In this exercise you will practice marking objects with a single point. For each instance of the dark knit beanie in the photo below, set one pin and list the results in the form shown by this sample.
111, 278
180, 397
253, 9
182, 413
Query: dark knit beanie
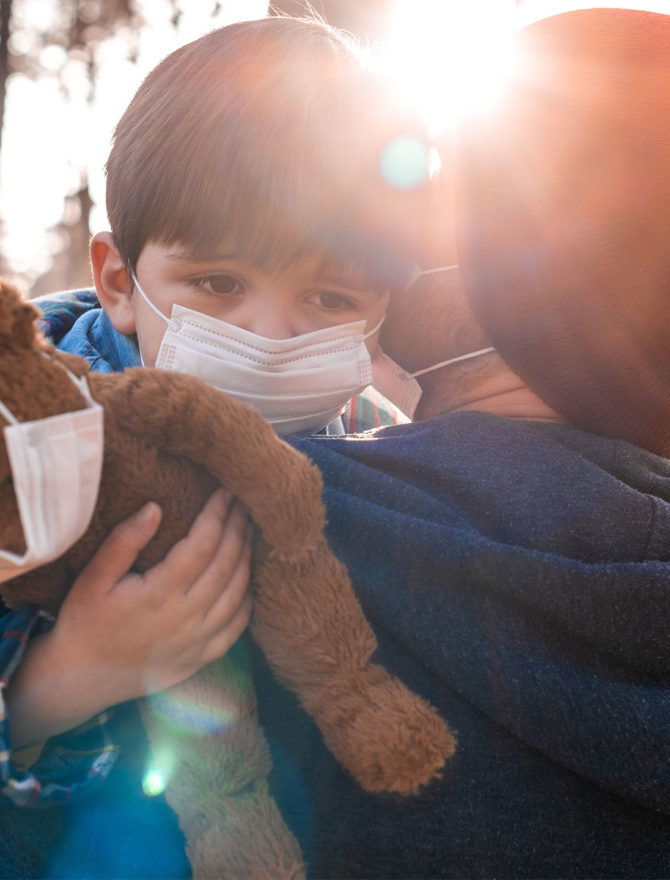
563, 218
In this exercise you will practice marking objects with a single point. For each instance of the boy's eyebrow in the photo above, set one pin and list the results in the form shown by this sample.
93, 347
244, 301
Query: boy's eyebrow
193, 254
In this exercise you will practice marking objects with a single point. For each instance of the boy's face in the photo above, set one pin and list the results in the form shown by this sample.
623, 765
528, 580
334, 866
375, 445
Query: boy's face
278, 305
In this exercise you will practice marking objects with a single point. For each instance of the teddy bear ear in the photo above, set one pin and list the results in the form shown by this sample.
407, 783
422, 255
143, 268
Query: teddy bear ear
17, 318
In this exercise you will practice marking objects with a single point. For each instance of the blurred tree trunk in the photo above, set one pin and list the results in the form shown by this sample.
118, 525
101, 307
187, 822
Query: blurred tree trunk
83, 28
5, 22
366, 19
70, 267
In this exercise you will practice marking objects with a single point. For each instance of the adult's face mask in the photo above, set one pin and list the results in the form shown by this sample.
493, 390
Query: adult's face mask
298, 384
56, 465
401, 387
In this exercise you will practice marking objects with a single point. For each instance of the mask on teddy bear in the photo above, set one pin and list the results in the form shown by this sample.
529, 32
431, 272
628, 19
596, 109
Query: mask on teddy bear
56, 465
297, 384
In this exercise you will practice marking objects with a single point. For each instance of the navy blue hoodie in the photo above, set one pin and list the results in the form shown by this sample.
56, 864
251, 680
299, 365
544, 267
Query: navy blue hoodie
517, 574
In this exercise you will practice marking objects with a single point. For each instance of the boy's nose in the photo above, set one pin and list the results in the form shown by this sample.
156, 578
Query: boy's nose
273, 324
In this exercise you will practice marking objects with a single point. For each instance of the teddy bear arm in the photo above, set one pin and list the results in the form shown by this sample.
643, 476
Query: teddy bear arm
183, 415
311, 627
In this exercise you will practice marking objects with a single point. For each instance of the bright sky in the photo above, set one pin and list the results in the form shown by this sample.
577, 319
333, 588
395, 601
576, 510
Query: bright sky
447, 54
47, 140
453, 55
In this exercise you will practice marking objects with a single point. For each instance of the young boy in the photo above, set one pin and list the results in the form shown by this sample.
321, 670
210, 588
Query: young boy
253, 193
254, 240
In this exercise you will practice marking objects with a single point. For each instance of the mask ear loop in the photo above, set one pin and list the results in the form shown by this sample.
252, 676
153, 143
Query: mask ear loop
8, 415
80, 381
418, 272
147, 300
375, 328
462, 357
437, 270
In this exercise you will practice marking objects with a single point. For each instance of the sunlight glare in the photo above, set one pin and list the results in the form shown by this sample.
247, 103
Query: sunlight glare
449, 57
153, 783
158, 773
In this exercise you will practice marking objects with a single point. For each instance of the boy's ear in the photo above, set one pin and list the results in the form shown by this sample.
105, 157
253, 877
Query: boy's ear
112, 282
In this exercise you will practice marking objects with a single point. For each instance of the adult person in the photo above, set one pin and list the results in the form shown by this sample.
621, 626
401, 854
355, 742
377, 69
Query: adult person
512, 547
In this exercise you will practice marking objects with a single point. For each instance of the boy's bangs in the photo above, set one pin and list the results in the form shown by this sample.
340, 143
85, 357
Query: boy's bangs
270, 147
280, 210
279, 219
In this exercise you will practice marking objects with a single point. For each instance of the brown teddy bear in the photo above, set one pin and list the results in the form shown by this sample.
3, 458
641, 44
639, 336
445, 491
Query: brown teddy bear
172, 439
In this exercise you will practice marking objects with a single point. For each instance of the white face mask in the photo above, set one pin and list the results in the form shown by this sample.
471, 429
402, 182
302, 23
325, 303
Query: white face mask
56, 466
297, 384
401, 387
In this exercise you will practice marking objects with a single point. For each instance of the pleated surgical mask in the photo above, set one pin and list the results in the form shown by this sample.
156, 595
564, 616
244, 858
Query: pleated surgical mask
56, 465
401, 387
297, 384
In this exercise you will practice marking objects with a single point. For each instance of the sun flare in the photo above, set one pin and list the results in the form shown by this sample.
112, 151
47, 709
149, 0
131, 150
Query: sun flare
450, 57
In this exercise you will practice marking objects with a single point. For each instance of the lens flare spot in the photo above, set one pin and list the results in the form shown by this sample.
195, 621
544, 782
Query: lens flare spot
204, 714
153, 783
405, 163
158, 772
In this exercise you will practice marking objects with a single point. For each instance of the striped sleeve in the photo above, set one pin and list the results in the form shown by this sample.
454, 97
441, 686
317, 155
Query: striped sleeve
66, 763
61, 310
370, 409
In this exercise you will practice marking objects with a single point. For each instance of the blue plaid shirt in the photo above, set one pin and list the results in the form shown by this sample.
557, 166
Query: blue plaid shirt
66, 763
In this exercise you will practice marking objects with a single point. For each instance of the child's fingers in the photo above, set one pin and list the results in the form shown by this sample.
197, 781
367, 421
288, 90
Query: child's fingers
185, 561
212, 581
120, 549
228, 595
226, 637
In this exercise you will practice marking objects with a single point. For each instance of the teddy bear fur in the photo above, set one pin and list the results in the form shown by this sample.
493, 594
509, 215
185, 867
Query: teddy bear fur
172, 439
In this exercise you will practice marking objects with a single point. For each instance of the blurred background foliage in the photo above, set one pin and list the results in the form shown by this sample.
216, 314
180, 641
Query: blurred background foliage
59, 43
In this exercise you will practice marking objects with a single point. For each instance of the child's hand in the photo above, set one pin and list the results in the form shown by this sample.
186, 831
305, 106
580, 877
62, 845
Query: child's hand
119, 636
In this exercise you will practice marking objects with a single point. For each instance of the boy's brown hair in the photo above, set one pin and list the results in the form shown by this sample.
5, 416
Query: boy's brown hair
267, 137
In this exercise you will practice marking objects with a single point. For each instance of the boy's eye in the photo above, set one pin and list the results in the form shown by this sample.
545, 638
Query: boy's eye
333, 301
220, 283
